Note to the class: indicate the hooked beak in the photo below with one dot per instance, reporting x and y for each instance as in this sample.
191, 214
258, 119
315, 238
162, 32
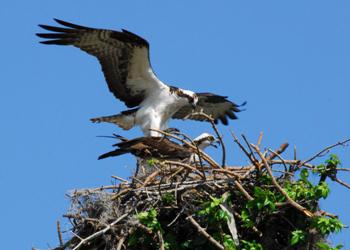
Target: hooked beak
193, 105
215, 143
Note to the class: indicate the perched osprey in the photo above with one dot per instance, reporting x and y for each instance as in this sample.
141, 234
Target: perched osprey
160, 148
124, 58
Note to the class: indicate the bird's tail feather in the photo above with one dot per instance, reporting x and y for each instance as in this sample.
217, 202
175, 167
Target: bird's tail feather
113, 153
124, 121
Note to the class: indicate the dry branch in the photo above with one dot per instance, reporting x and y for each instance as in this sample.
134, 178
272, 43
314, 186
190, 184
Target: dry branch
204, 233
290, 200
106, 217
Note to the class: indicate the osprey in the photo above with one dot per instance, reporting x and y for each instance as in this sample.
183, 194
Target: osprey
124, 57
160, 148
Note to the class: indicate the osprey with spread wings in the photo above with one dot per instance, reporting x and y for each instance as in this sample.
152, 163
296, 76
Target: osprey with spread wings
124, 58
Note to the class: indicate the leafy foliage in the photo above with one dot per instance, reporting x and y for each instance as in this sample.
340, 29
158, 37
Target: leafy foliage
304, 190
251, 245
149, 219
325, 246
327, 225
329, 168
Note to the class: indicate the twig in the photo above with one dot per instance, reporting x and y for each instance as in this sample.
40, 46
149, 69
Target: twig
342, 183
343, 169
251, 157
120, 243
259, 233
204, 233
177, 216
200, 161
260, 139
324, 213
161, 240
198, 150
184, 165
59, 232
150, 178
227, 171
277, 153
274, 154
249, 147
290, 200
98, 233
119, 178
211, 120
326, 150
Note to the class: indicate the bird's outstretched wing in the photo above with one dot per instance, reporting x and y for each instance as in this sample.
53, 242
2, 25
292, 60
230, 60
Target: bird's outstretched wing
124, 58
218, 107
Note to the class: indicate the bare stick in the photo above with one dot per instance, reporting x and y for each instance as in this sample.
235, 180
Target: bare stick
260, 139
182, 165
251, 158
249, 147
120, 243
59, 232
277, 153
326, 150
198, 150
290, 200
150, 178
161, 241
241, 188
342, 183
343, 169
253, 227
176, 217
211, 120
200, 161
98, 233
119, 178
204, 233
279, 157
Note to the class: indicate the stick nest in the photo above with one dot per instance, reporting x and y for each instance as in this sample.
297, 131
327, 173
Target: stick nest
204, 205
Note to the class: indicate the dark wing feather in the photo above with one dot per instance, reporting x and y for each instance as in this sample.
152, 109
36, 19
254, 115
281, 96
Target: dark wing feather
213, 105
124, 57
145, 147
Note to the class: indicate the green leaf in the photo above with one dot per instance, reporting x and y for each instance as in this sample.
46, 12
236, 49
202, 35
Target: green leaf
168, 198
132, 240
327, 225
297, 237
152, 161
321, 190
333, 160
304, 174
325, 246
186, 244
228, 242
251, 245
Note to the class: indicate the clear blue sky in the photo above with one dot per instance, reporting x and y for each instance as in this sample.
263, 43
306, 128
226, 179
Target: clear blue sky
289, 59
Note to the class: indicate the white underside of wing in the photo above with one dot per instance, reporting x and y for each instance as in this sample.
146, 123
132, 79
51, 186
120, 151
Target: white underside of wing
141, 77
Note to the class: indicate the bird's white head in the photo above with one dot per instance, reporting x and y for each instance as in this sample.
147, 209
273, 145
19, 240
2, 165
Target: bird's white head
204, 140
191, 97
187, 96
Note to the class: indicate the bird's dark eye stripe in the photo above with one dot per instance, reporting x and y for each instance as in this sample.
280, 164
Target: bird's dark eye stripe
181, 94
